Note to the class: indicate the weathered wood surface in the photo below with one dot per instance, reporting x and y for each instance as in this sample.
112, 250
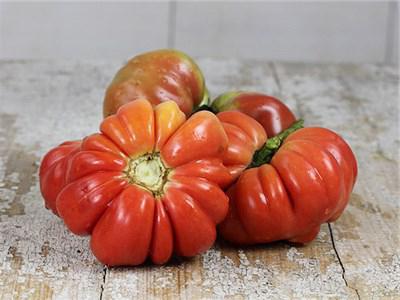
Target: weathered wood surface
44, 103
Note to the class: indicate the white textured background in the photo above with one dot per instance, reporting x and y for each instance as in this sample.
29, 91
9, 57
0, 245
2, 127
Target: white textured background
289, 31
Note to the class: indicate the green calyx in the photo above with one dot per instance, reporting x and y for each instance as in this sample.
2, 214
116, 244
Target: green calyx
206, 98
204, 104
272, 145
149, 172
224, 101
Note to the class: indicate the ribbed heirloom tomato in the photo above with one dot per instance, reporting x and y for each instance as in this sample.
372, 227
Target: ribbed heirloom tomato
158, 76
298, 180
147, 185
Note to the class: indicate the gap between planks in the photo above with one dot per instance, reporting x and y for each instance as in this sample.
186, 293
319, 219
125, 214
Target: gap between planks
340, 261
105, 272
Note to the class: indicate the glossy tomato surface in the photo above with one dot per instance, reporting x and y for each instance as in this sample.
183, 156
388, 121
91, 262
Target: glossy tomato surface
308, 182
52, 171
245, 136
147, 186
158, 76
269, 111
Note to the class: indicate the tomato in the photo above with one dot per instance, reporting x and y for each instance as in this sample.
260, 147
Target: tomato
286, 194
158, 76
52, 171
245, 136
270, 112
147, 186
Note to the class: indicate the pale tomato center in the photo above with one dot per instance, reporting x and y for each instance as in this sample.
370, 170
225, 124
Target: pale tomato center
149, 172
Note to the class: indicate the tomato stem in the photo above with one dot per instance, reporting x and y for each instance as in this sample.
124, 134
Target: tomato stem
204, 103
204, 107
271, 146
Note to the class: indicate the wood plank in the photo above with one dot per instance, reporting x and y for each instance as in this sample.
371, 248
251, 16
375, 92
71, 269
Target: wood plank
361, 103
39, 258
276, 271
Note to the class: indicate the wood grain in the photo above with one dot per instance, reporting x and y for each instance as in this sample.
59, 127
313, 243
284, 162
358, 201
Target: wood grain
356, 257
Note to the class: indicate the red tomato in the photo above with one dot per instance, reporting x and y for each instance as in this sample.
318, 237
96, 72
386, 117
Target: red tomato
307, 182
272, 114
245, 136
148, 185
52, 171
158, 76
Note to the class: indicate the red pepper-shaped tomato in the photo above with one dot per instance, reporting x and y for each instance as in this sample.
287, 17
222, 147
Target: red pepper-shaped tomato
270, 112
158, 76
307, 182
148, 185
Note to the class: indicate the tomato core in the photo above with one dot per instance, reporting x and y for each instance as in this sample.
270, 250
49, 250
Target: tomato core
149, 172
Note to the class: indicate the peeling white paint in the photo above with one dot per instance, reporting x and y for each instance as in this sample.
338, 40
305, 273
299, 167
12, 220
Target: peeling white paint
224, 278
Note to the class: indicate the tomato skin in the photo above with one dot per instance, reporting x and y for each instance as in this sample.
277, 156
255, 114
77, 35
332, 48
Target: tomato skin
163, 240
245, 136
82, 202
104, 188
270, 112
52, 172
308, 182
125, 225
158, 76
343, 154
205, 192
185, 145
194, 230
213, 170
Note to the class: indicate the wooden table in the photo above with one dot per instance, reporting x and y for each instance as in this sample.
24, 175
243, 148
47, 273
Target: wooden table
44, 103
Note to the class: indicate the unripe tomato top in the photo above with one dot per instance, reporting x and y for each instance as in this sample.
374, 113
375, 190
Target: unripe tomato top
158, 76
